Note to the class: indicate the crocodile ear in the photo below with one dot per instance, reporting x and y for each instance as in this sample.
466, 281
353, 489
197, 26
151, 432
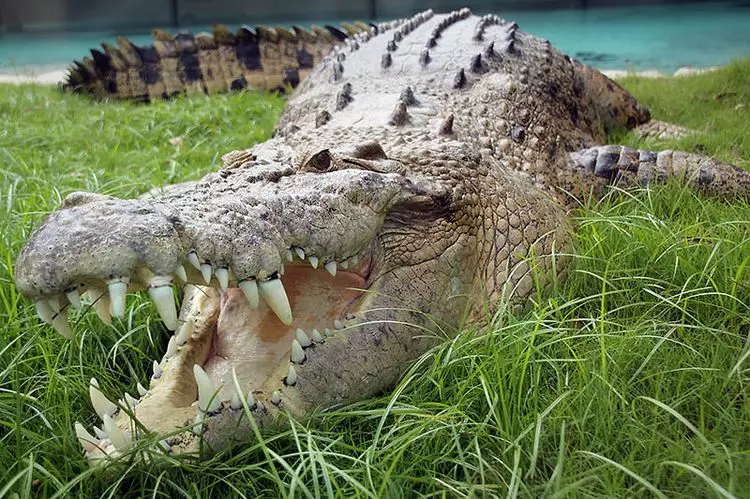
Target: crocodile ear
369, 150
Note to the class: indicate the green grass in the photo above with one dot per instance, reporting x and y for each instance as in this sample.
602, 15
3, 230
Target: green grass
629, 379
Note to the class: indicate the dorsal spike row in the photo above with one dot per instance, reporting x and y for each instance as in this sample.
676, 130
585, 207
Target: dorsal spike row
459, 81
451, 18
400, 116
484, 21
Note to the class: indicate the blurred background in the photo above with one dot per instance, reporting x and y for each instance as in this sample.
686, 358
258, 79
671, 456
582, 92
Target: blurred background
637, 34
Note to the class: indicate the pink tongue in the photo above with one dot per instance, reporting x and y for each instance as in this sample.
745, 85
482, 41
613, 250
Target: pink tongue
255, 342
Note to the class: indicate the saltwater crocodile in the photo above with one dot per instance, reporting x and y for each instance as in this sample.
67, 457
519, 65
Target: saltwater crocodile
420, 176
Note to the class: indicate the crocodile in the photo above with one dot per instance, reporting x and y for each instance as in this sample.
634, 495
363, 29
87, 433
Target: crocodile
422, 175
274, 58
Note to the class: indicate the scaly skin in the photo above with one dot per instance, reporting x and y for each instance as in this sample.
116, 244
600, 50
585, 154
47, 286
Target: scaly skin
433, 162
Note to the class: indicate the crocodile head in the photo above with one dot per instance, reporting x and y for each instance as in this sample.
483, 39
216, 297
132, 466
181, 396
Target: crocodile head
309, 281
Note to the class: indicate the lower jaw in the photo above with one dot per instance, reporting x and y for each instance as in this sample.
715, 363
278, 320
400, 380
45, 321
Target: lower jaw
228, 338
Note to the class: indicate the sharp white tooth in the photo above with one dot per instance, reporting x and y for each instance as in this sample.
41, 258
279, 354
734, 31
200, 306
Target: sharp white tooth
88, 441
61, 325
337, 324
164, 302
130, 401
354, 260
344, 265
291, 376
331, 268
100, 302
206, 272
222, 275
316, 336
198, 428
298, 354
157, 370
44, 310
102, 405
54, 302
274, 295
281, 270
74, 298
275, 397
192, 257
250, 400
141, 390
328, 332
185, 331
100, 434
313, 261
289, 255
303, 339
300, 253
171, 348
118, 288
181, 273
236, 402
116, 435
250, 288
208, 395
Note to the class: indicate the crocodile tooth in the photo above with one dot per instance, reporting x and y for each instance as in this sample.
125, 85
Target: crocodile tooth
192, 257
101, 303
275, 397
316, 336
250, 288
337, 324
236, 402
185, 332
289, 255
298, 354
250, 400
171, 348
100, 434
313, 261
130, 401
157, 370
300, 252
74, 298
274, 294
102, 405
181, 273
206, 271
303, 339
164, 301
222, 275
116, 435
44, 310
331, 268
88, 441
62, 326
199, 417
54, 303
118, 288
141, 390
291, 376
354, 260
327, 332
208, 395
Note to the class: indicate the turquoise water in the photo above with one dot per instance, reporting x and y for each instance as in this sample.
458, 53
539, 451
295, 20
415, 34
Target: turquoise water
640, 38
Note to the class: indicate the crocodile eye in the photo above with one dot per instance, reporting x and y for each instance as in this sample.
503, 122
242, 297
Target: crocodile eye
318, 162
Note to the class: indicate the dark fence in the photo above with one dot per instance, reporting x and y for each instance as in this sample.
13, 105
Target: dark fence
95, 15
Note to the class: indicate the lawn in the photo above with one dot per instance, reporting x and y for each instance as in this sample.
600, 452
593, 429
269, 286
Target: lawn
629, 379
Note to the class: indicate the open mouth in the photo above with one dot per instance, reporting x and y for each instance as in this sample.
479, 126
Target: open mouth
228, 337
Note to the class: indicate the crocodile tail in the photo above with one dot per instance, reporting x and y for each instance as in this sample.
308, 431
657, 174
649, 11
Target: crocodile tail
222, 61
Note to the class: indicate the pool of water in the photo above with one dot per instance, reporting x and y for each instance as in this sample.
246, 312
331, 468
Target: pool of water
663, 38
